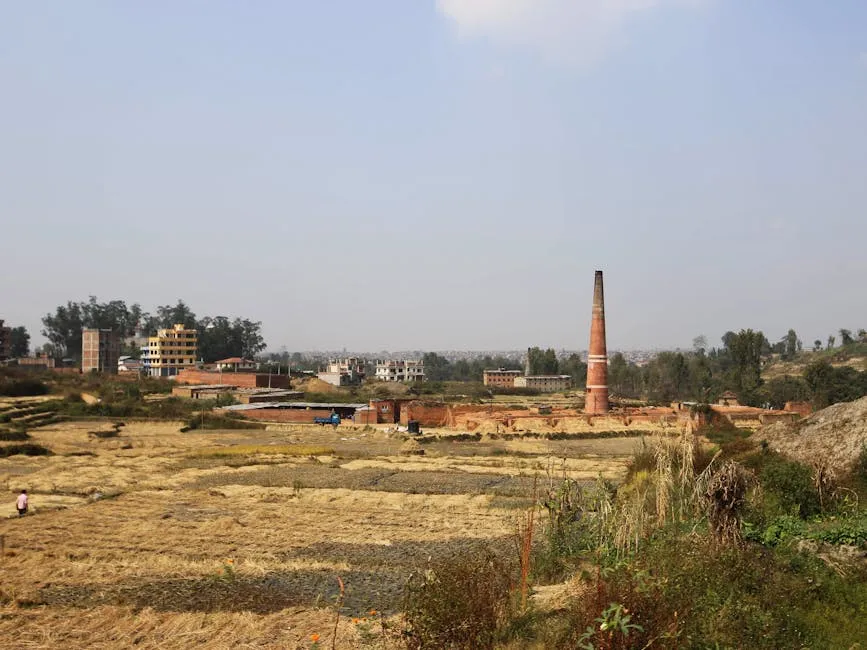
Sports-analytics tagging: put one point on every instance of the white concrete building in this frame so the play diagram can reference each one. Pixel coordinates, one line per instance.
(405, 370)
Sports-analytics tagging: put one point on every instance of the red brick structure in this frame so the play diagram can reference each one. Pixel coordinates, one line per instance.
(5, 341)
(100, 349)
(596, 397)
(801, 408)
(237, 379)
(501, 378)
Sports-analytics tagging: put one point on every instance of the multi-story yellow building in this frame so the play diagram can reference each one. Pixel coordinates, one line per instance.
(170, 351)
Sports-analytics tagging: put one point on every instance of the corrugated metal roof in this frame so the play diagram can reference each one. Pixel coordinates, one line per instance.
(290, 405)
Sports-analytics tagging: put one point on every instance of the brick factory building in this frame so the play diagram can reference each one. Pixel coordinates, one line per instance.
(545, 383)
(170, 351)
(405, 370)
(500, 378)
(100, 350)
(5, 341)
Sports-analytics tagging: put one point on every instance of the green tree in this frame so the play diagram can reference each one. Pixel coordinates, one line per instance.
(19, 342)
(780, 390)
(543, 362)
(220, 338)
(817, 345)
(745, 350)
(846, 337)
(436, 367)
(624, 379)
(792, 345)
(829, 385)
(63, 329)
(168, 315)
(575, 368)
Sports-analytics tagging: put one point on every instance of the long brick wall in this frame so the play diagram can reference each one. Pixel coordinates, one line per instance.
(239, 379)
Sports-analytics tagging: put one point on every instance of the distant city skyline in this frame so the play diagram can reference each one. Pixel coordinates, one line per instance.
(440, 174)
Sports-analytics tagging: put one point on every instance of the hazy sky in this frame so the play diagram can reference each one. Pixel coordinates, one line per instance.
(394, 174)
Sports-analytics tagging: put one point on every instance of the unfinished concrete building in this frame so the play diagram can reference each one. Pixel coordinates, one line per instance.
(596, 397)
(100, 350)
(5, 341)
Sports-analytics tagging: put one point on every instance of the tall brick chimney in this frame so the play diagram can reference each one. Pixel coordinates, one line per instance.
(527, 364)
(596, 400)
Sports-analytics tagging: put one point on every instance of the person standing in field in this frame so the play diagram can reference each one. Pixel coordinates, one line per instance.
(21, 504)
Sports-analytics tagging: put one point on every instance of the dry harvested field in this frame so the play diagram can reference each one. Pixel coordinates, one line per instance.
(237, 538)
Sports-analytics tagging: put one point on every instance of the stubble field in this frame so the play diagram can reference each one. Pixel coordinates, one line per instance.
(166, 539)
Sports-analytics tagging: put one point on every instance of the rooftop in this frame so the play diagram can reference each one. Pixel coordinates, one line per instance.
(292, 405)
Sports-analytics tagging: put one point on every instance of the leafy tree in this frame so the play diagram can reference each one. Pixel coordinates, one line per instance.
(745, 350)
(220, 338)
(19, 342)
(862, 336)
(169, 315)
(543, 362)
(668, 378)
(780, 390)
(846, 337)
(829, 385)
(575, 368)
(63, 329)
(817, 345)
(792, 345)
(831, 341)
(624, 379)
(436, 367)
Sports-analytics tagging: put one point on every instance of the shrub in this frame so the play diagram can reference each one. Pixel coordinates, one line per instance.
(22, 388)
(791, 486)
(27, 449)
(464, 602)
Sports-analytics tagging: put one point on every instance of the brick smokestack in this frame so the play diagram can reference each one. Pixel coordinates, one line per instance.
(596, 400)
(527, 364)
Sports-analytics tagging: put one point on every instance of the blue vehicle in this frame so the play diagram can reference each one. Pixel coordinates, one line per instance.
(331, 419)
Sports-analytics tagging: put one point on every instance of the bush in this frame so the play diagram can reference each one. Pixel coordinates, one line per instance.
(790, 485)
(26, 449)
(688, 592)
(464, 602)
(22, 388)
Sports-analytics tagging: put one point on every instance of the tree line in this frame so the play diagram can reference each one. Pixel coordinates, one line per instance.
(219, 337)
(702, 375)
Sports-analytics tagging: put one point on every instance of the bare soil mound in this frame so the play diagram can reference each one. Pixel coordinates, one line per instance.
(316, 385)
(833, 436)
